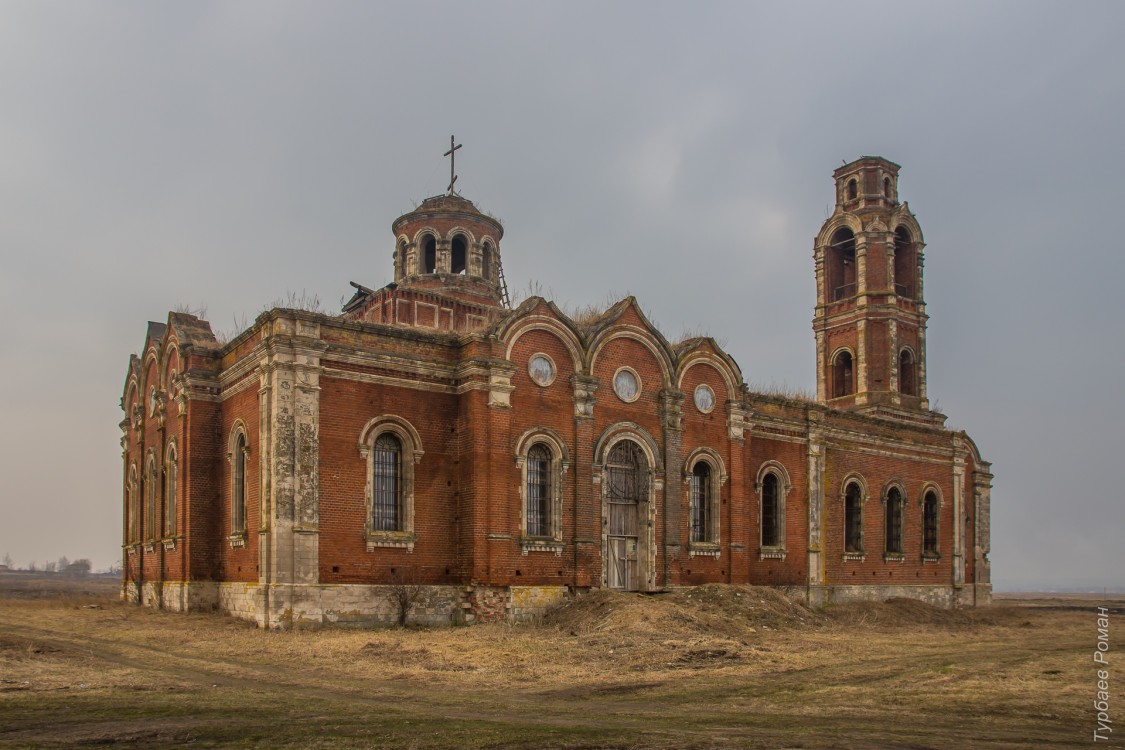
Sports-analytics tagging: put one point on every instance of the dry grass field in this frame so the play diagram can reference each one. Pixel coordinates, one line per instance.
(721, 666)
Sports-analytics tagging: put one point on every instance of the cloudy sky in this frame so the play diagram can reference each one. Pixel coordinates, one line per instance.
(222, 155)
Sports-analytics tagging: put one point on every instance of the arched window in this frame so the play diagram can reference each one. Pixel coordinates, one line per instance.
(391, 447)
(907, 381)
(626, 473)
(887, 187)
(701, 503)
(930, 524)
(905, 263)
(459, 257)
(386, 486)
(843, 380)
(893, 531)
(771, 511)
(542, 459)
(151, 475)
(429, 254)
(853, 518)
(238, 485)
(853, 189)
(134, 506)
(170, 478)
(539, 491)
(841, 265)
(486, 262)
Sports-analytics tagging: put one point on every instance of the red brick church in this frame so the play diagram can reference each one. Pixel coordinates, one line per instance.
(503, 458)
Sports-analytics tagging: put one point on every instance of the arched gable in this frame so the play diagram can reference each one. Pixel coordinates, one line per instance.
(656, 346)
(544, 322)
(170, 360)
(710, 356)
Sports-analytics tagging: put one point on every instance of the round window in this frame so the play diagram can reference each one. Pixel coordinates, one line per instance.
(626, 385)
(704, 399)
(541, 369)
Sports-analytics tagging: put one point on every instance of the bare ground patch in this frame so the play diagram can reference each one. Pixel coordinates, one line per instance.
(715, 666)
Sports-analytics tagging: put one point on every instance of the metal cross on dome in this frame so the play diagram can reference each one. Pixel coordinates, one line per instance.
(452, 160)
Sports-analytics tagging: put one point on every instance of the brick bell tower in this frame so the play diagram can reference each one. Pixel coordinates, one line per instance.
(870, 319)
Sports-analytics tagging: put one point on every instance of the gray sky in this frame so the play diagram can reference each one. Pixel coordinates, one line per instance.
(220, 154)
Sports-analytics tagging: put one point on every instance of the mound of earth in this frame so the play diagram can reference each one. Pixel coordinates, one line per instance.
(713, 609)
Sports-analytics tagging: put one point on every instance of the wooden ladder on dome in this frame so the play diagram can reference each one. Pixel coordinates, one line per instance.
(507, 302)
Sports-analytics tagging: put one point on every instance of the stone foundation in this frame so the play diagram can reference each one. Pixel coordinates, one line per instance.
(944, 596)
(310, 605)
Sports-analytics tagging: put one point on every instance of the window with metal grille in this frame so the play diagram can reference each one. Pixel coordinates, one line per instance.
(894, 522)
(134, 506)
(170, 494)
(238, 486)
(538, 490)
(626, 486)
(150, 498)
(386, 482)
(771, 515)
(701, 502)
(853, 519)
(930, 524)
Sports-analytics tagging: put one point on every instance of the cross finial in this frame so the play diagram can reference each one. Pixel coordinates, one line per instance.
(452, 160)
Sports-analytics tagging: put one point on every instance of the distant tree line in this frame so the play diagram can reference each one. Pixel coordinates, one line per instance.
(62, 566)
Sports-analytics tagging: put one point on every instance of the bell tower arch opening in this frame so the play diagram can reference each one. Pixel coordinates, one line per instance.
(841, 265)
(429, 254)
(905, 263)
(459, 255)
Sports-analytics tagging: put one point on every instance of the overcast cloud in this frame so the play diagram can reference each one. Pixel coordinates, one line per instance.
(220, 154)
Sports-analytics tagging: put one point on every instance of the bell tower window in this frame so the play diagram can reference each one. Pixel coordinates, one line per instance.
(841, 265)
(905, 263)
(907, 380)
(429, 255)
(842, 377)
(853, 189)
(459, 256)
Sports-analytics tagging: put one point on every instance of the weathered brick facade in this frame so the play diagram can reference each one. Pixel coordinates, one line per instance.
(497, 459)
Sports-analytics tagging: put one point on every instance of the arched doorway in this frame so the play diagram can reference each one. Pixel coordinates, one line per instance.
(626, 492)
